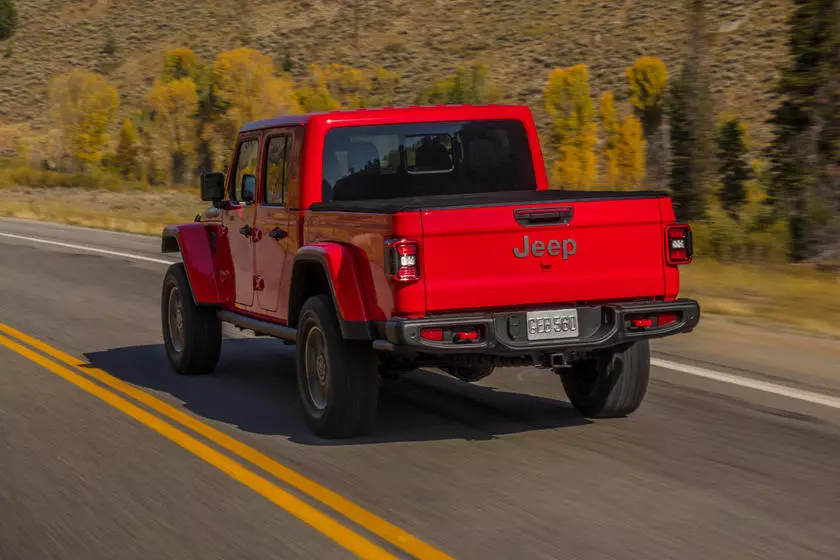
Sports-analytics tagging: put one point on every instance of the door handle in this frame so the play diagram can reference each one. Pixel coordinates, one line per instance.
(246, 230)
(277, 233)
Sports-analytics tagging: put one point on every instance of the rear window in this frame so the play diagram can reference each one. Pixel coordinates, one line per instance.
(426, 159)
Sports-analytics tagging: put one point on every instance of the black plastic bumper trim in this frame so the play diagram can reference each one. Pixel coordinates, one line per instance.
(606, 328)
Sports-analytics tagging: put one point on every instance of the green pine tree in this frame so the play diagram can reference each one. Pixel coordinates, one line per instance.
(733, 168)
(805, 149)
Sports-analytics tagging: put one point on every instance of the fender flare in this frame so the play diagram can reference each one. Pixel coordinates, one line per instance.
(195, 242)
(342, 274)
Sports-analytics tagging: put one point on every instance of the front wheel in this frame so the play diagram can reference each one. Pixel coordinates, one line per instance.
(338, 379)
(611, 385)
(192, 335)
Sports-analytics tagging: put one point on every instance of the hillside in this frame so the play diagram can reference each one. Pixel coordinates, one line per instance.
(522, 40)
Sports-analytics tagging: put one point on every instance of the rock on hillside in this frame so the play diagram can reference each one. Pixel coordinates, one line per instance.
(522, 40)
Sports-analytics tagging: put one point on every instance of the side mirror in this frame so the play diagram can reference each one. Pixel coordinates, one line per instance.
(249, 188)
(212, 186)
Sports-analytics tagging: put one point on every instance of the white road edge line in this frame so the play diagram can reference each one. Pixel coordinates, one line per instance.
(89, 249)
(773, 388)
(783, 390)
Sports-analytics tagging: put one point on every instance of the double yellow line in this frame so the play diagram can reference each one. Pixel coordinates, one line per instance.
(345, 537)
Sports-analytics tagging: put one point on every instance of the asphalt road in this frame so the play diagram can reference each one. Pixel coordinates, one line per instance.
(735, 456)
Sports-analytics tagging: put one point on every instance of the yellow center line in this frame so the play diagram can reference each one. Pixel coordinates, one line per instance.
(295, 506)
(373, 523)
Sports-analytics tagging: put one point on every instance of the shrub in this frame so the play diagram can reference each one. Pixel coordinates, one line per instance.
(8, 19)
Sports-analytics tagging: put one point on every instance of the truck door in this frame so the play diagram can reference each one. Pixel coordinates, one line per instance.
(239, 218)
(275, 241)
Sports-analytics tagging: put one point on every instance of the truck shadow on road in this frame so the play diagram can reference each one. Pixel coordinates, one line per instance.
(254, 388)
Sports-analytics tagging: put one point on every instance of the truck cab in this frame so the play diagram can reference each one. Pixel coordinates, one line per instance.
(379, 241)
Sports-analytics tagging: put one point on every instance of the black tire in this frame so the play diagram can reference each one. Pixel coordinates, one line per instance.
(611, 385)
(341, 399)
(197, 350)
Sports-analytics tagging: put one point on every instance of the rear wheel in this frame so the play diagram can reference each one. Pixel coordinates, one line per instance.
(338, 379)
(611, 385)
(192, 335)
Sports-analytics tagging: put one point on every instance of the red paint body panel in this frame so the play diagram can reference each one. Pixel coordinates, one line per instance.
(469, 259)
(199, 261)
(340, 262)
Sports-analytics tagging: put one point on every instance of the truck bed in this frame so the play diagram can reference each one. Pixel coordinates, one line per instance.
(504, 198)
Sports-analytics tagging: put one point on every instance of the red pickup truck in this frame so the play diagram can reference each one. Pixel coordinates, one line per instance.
(379, 241)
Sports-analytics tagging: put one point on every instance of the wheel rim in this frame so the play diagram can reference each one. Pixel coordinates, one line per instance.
(176, 320)
(317, 374)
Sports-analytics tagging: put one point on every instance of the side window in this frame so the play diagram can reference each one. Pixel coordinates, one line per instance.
(277, 158)
(245, 182)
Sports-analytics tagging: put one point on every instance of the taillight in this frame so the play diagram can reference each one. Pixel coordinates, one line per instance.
(656, 321)
(403, 262)
(679, 248)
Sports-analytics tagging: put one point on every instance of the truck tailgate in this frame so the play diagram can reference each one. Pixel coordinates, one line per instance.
(533, 254)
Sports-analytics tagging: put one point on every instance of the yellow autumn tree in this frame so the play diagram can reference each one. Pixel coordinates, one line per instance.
(314, 94)
(83, 105)
(469, 84)
(174, 105)
(630, 153)
(648, 84)
(180, 63)
(340, 86)
(648, 80)
(574, 131)
(610, 126)
(127, 159)
(245, 83)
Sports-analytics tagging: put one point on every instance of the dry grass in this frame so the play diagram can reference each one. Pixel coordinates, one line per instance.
(785, 294)
(146, 212)
(522, 40)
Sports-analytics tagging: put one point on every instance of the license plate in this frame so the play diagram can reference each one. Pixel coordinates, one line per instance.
(552, 325)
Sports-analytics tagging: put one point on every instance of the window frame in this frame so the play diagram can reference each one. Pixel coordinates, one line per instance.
(287, 168)
(234, 168)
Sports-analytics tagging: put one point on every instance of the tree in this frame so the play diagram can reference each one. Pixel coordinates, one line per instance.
(574, 132)
(247, 90)
(180, 63)
(630, 153)
(173, 106)
(692, 125)
(648, 83)
(469, 84)
(109, 47)
(288, 63)
(314, 95)
(83, 104)
(340, 86)
(128, 151)
(733, 169)
(8, 19)
(648, 80)
(805, 151)
(610, 126)
(183, 63)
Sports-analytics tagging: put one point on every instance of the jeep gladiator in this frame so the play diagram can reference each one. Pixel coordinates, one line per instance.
(380, 241)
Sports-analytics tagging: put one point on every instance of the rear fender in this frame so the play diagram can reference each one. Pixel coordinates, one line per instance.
(344, 281)
(196, 243)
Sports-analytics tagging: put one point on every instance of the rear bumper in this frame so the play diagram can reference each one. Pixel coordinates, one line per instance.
(600, 326)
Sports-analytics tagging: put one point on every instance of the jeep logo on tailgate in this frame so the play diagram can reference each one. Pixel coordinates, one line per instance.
(553, 248)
